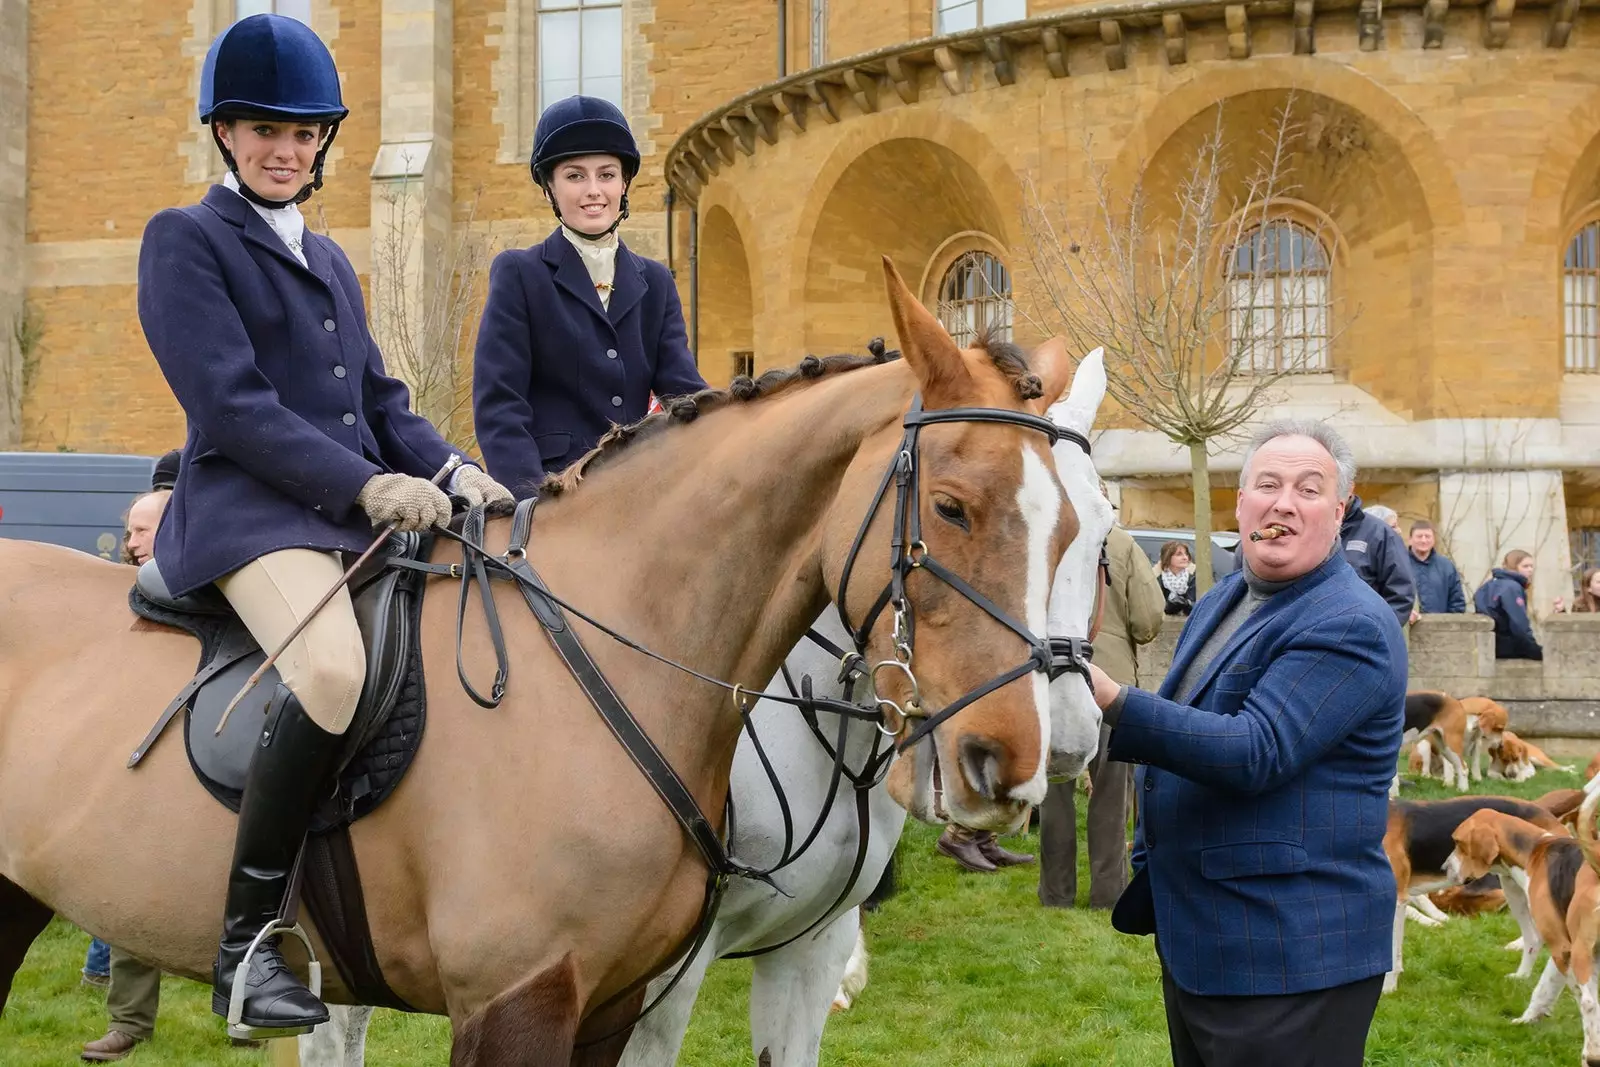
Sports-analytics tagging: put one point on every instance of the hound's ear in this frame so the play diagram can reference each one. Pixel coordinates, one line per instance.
(929, 350)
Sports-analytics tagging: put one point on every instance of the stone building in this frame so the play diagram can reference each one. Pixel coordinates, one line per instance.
(1454, 179)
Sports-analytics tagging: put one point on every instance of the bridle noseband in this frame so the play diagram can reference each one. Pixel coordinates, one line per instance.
(908, 552)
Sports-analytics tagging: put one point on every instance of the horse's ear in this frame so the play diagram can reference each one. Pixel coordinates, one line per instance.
(1077, 409)
(1053, 366)
(930, 351)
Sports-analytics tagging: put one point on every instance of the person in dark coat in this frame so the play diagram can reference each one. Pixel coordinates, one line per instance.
(1439, 589)
(577, 331)
(298, 445)
(1378, 554)
(1504, 598)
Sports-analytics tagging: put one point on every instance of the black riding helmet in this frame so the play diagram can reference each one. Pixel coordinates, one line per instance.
(583, 126)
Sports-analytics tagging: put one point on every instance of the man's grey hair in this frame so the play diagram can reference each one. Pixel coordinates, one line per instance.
(1380, 511)
(1344, 461)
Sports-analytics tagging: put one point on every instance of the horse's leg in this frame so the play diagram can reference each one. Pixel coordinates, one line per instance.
(792, 992)
(659, 1035)
(619, 1017)
(339, 1042)
(532, 1024)
(21, 920)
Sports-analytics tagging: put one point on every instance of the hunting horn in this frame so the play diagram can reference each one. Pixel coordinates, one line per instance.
(383, 535)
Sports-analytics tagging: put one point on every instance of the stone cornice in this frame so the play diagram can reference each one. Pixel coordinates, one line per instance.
(867, 83)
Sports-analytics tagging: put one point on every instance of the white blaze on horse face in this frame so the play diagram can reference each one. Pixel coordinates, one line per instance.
(1039, 500)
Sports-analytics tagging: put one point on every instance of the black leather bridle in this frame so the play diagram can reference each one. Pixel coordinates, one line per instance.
(908, 553)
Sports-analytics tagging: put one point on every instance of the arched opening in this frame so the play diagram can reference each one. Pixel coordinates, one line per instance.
(727, 318)
(903, 198)
(1279, 280)
(1580, 299)
(975, 298)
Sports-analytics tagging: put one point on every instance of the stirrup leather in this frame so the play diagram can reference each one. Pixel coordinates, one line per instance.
(241, 978)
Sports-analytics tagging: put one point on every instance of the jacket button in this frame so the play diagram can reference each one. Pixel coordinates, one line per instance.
(349, 418)
(1148, 785)
(616, 401)
(611, 353)
(328, 324)
(338, 372)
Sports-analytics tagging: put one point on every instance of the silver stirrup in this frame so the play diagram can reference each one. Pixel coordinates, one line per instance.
(241, 976)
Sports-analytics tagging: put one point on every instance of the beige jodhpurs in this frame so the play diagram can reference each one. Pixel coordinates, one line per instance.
(326, 665)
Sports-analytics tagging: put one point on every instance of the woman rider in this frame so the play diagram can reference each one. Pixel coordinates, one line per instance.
(298, 445)
(577, 331)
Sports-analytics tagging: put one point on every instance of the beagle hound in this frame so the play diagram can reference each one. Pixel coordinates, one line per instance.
(1564, 898)
(1481, 896)
(1517, 760)
(1430, 716)
(1486, 723)
(1420, 841)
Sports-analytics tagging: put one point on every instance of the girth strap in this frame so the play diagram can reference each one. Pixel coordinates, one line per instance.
(235, 647)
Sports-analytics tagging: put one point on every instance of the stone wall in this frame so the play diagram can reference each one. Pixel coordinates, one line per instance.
(1558, 697)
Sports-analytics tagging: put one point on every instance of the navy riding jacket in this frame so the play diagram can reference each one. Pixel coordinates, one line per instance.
(554, 370)
(289, 409)
(1438, 585)
(1504, 598)
(1380, 557)
(1264, 794)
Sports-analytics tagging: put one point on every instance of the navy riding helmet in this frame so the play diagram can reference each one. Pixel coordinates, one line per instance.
(583, 126)
(276, 68)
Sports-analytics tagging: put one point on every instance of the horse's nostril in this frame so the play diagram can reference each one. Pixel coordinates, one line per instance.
(980, 762)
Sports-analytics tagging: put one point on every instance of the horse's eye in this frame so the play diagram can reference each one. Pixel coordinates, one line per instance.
(950, 511)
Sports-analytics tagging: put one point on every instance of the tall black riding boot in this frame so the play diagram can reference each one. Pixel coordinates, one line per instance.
(289, 771)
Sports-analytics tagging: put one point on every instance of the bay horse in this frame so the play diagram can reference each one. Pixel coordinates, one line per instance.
(524, 879)
(803, 930)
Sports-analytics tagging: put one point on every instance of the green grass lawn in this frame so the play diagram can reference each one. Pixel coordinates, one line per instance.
(966, 970)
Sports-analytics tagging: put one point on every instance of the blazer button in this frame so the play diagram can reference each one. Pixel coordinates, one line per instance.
(611, 353)
(616, 401)
(349, 418)
(328, 324)
(1148, 784)
(338, 371)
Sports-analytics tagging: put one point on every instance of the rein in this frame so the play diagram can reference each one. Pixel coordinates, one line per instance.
(908, 553)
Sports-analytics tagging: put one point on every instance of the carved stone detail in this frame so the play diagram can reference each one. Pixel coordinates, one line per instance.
(743, 133)
(792, 108)
(717, 141)
(818, 93)
(1433, 13)
(1055, 51)
(1563, 13)
(1177, 38)
(864, 87)
(950, 71)
(904, 77)
(1111, 38)
(1238, 21)
(764, 120)
(1305, 40)
(1497, 22)
(1369, 25)
(999, 53)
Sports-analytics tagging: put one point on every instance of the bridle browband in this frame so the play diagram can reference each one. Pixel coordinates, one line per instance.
(908, 552)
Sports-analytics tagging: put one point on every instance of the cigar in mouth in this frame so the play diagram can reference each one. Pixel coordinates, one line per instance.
(1271, 531)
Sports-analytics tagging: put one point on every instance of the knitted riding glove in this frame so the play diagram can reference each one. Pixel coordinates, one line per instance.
(411, 503)
(476, 487)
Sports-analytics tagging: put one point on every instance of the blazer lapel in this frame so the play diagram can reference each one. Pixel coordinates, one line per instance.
(628, 286)
(572, 275)
(237, 210)
(319, 260)
(1207, 614)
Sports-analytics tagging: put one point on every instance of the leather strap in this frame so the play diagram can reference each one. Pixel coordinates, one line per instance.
(332, 892)
(235, 647)
(474, 569)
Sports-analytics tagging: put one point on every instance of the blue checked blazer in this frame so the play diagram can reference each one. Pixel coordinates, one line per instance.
(1259, 852)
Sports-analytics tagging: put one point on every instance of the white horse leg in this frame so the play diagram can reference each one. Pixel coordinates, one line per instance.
(855, 973)
(658, 1036)
(792, 992)
(339, 1042)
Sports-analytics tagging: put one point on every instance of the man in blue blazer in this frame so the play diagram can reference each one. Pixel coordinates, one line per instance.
(1266, 761)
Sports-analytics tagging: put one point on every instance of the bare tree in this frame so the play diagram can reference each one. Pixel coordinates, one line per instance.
(22, 366)
(1201, 305)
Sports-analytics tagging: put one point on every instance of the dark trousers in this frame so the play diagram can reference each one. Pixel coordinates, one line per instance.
(1326, 1028)
(133, 996)
(1108, 835)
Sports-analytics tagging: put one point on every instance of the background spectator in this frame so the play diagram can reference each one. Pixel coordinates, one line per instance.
(1176, 574)
(1379, 557)
(1439, 589)
(1588, 598)
(1387, 514)
(1504, 598)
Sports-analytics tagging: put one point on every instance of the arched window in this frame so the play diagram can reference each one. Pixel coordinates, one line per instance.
(975, 296)
(295, 9)
(1278, 298)
(1581, 290)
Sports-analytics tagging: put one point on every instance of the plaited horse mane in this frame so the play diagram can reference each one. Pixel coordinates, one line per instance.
(524, 879)
(1008, 358)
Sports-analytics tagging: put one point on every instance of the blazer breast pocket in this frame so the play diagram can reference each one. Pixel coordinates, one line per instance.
(1239, 678)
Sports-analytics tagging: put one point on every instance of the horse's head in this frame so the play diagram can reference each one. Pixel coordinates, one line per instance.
(973, 519)
(1078, 595)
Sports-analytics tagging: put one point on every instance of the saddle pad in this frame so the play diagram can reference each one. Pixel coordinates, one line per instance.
(369, 775)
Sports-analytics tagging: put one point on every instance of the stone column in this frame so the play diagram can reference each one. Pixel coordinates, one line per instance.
(1485, 514)
(13, 208)
(413, 203)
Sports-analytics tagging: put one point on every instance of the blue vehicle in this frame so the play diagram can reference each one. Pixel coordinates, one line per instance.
(74, 499)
